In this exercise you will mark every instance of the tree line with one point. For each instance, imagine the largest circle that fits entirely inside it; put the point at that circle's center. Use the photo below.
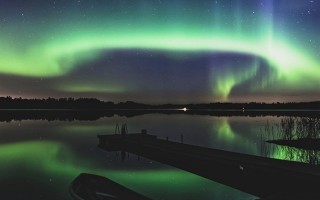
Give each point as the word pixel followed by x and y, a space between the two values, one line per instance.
pixel 96 104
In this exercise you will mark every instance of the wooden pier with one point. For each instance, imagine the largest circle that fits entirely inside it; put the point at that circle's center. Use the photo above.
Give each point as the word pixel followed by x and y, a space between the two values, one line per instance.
pixel 262 177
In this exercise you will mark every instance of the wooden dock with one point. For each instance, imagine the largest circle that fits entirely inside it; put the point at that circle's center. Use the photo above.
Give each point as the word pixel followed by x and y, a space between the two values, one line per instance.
pixel 263 177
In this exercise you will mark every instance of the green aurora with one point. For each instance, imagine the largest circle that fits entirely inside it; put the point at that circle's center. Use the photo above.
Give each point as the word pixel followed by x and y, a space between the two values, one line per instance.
pixel 57 39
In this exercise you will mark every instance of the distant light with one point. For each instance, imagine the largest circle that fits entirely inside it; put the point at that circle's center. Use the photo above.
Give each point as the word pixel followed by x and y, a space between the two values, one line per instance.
pixel 184 109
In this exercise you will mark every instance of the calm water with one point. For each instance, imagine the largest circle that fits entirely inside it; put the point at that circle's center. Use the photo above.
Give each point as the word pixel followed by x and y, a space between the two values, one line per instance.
pixel 39 159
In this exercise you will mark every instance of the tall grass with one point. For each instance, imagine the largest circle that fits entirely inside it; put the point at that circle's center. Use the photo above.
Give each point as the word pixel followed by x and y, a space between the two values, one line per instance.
pixel 292 128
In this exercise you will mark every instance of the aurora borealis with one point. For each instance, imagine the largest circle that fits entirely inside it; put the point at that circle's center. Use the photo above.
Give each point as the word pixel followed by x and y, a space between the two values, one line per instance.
pixel 161 51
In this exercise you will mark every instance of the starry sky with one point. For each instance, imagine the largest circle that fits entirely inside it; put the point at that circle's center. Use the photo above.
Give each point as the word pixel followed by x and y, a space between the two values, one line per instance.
pixel 161 51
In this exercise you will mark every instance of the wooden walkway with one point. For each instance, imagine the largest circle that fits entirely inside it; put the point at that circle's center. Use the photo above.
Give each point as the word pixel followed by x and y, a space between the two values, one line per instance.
pixel 263 177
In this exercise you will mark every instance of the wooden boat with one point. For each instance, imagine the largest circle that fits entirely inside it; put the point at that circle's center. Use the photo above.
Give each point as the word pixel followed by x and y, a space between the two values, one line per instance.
pixel 94 187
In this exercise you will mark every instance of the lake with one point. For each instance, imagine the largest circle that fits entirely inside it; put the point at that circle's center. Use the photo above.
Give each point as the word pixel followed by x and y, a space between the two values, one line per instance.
pixel 40 158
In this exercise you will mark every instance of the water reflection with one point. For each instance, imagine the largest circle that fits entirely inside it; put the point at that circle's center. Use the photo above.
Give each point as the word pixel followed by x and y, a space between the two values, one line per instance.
pixel 40 158
pixel 237 134
pixel 294 154
pixel 47 156
pixel 50 166
pixel 93 115
pixel 233 169
pixel 294 138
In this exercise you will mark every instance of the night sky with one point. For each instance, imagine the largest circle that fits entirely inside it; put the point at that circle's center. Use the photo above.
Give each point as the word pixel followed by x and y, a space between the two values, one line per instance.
pixel 161 51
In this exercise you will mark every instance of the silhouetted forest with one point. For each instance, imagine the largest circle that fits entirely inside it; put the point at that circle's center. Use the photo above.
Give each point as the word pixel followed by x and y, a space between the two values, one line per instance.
pixel 69 109
pixel 95 104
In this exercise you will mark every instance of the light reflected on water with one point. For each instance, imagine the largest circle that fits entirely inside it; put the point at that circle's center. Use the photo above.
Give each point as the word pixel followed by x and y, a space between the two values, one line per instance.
pixel 292 129
pixel 40 159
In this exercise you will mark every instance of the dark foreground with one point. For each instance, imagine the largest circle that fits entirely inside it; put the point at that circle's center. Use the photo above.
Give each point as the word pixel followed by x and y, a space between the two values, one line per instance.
pixel 263 177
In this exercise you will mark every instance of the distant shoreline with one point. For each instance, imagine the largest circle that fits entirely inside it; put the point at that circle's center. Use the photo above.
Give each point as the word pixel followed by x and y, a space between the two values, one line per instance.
pixel 9 103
